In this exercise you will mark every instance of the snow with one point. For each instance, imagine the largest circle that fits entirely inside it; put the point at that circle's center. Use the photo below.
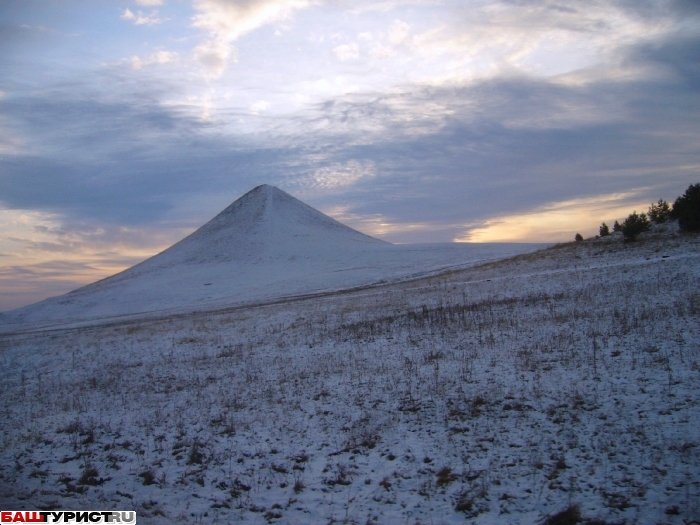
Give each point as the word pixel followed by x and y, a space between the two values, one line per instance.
pixel 266 245
pixel 277 366
pixel 501 393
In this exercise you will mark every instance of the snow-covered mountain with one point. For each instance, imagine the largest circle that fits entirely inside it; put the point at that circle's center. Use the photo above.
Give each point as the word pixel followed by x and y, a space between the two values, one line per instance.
pixel 266 245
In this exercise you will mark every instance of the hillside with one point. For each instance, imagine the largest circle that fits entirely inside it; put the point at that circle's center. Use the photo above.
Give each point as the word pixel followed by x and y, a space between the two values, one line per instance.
pixel 265 246
pixel 507 392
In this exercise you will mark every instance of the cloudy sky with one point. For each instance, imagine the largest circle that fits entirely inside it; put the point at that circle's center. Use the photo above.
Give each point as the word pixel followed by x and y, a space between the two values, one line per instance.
pixel 124 125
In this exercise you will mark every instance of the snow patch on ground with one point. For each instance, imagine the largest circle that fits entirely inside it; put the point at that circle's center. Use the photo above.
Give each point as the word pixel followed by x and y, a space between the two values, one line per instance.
pixel 503 393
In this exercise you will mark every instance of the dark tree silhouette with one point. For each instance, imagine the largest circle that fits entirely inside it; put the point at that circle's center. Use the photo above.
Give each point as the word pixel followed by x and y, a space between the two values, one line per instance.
pixel 687 209
pixel 634 225
pixel 659 212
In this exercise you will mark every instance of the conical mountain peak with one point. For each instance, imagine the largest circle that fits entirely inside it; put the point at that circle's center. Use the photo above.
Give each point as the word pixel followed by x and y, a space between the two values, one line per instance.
pixel 267 215
pixel 264 224
pixel 266 244
pixel 254 206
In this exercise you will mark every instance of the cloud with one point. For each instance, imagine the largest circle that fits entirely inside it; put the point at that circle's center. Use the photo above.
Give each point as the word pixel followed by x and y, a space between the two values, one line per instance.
pixel 517 143
pixel 149 3
pixel 9 141
pixel 383 45
pixel 445 156
pixel 398 32
pixel 225 21
pixel 675 55
pixel 556 222
pixel 47 255
pixel 42 29
pixel 508 148
pixel 340 175
pixel 382 226
pixel 141 18
pixel 685 7
pixel 157 58
pixel 538 37
pixel 75 152
pixel 441 155
pixel 347 51
pixel 259 107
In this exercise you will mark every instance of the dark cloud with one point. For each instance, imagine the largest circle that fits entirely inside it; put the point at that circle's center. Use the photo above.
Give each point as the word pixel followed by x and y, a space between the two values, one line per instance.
pixel 45 269
pixel 11 36
pixel 26 284
pixel 575 14
pixel 505 145
pixel 679 55
pixel 686 7
pixel 117 162
pixel 510 145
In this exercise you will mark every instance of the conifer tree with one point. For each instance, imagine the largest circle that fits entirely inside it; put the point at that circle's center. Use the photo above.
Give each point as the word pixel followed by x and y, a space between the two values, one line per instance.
pixel 687 209
pixel 659 212
pixel 634 225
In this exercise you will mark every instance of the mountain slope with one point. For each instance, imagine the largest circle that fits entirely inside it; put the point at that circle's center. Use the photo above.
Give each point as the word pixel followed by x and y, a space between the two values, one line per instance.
pixel 265 245
pixel 265 224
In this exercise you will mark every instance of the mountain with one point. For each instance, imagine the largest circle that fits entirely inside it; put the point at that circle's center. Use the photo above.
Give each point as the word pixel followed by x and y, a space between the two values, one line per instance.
pixel 264 246
pixel 265 224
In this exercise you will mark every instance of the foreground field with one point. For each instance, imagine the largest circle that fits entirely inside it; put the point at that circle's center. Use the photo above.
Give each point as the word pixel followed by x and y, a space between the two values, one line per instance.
pixel 567 379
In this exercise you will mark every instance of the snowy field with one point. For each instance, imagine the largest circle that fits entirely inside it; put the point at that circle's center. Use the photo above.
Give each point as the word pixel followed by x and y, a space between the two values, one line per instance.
pixel 566 379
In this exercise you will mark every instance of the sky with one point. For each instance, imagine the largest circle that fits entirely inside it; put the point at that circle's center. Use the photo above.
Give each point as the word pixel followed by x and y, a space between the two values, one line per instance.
pixel 126 125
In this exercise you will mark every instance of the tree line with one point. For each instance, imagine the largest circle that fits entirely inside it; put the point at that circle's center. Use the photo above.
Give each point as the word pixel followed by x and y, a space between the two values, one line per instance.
pixel 685 209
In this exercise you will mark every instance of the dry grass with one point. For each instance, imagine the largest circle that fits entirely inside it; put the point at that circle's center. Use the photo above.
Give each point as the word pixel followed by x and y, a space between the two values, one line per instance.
pixel 566 379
